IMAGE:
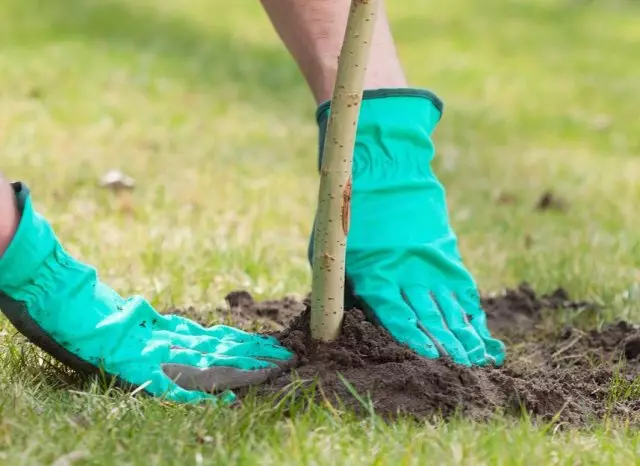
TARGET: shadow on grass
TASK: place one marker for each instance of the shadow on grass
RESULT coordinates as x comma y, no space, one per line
203,58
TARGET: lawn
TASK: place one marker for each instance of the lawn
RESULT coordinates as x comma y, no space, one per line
207,112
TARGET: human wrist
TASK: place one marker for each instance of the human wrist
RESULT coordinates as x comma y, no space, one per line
376,77
33,242
9,215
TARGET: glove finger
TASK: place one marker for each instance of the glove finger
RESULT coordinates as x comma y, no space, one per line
258,346
183,326
457,321
202,343
179,394
391,312
431,321
220,377
225,333
256,349
189,357
159,385
478,319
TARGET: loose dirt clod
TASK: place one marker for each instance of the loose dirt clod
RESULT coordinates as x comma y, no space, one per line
274,314
242,310
550,201
569,376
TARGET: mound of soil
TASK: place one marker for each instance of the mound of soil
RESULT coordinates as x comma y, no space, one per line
568,375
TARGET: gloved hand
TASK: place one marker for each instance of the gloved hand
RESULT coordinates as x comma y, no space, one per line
61,305
402,262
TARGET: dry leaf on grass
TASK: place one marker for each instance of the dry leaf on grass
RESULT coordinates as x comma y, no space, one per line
117,181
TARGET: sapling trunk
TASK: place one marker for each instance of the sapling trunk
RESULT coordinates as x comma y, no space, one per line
334,201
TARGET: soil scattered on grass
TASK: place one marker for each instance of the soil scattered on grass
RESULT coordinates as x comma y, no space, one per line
567,375
550,201
518,312
242,310
271,313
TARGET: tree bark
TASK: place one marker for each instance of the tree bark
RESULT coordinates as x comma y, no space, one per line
334,201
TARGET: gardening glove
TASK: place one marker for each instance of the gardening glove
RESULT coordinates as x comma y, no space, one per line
402,262
61,305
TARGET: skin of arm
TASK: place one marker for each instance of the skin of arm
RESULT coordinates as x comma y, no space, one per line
313,32
9,215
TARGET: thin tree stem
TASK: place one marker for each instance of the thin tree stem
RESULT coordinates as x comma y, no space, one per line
334,201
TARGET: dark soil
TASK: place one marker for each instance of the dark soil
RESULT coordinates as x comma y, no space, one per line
550,201
243,311
566,375
275,314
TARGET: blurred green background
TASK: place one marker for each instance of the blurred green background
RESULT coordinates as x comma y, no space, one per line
199,102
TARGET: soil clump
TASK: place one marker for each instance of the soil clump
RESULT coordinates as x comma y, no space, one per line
564,374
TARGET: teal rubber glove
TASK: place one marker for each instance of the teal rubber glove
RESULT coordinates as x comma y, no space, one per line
402,262
61,305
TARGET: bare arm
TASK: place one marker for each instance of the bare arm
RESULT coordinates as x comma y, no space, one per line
313,31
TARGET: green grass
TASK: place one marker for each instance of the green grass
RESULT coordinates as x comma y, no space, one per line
211,117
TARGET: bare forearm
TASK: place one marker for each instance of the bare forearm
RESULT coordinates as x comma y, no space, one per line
313,32
9,215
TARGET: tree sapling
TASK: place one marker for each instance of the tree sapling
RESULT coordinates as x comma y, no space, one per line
334,201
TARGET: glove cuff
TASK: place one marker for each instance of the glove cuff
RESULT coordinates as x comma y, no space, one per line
387,110
33,242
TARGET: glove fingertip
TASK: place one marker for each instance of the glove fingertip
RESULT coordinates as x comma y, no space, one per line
462,359
499,358
177,394
426,351
282,364
228,397
181,395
